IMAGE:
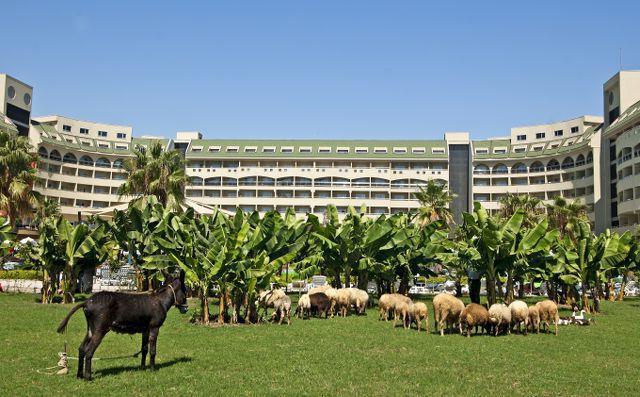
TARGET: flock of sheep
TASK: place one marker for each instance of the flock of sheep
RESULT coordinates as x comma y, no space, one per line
449,312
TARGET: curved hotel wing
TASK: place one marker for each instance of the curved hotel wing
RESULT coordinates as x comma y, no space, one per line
590,158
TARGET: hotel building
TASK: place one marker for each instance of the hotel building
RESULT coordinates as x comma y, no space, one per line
591,158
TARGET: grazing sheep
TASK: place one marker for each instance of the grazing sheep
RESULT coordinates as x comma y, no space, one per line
534,319
361,299
343,301
320,303
267,299
548,313
387,303
447,309
304,304
282,309
321,288
402,310
330,292
474,315
519,314
420,312
500,316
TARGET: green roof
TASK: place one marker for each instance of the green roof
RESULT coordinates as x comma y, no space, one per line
6,125
626,119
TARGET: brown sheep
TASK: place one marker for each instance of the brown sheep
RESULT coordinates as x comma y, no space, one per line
534,319
474,315
420,312
387,303
446,309
402,310
548,314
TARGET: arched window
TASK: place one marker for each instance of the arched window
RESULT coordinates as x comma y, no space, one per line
229,181
481,169
536,167
400,183
70,158
419,182
302,181
42,152
580,160
86,160
213,181
195,181
118,163
55,155
338,181
324,181
589,158
519,168
360,182
500,169
553,165
567,163
379,182
102,162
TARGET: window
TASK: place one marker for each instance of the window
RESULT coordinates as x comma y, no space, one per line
214,149
232,149
287,149
559,132
519,150
324,150
305,149
362,150
120,147
540,135
103,146
121,135
342,150
84,131
66,128
269,149
482,151
574,129
196,149
418,150
250,149
399,150
521,138
85,143
499,151
102,134
380,150
437,151
537,148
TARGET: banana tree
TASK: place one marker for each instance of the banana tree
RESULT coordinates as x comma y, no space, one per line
457,256
77,242
586,263
494,239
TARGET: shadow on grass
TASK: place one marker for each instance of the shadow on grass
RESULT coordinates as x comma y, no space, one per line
118,370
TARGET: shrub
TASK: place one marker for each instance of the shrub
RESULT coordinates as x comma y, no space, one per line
20,275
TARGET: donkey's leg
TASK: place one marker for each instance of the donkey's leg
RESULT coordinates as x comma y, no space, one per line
81,350
145,347
90,348
153,339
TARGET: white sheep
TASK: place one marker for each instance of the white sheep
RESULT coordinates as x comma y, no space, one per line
304,304
500,315
447,309
420,312
387,303
549,314
282,308
519,314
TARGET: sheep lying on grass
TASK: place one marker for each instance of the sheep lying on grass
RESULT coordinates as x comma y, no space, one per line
282,308
519,314
402,309
548,311
304,305
534,318
419,312
447,309
499,316
474,315
387,303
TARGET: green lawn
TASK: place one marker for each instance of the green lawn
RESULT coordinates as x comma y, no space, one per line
356,355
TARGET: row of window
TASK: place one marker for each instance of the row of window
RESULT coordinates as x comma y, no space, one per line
536,166
84,160
321,149
102,134
542,135
302,194
301,181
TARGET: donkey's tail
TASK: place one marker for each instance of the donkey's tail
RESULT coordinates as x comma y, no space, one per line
63,325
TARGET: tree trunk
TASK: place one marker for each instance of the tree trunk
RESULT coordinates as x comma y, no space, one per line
509,294
585,300
611,292
497,288
474,290
623,285
204,306
491,283
221,307
363,280
564,295
404,283
347,277
458,287
521,289
551,291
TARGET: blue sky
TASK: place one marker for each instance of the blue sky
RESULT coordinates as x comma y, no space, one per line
319,69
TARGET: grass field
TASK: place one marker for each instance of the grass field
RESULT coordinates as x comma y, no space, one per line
352,356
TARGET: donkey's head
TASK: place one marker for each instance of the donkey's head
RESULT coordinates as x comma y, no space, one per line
179,291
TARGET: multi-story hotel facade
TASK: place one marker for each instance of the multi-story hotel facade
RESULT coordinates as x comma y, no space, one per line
589,158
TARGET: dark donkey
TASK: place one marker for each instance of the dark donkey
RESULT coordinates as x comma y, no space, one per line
127,313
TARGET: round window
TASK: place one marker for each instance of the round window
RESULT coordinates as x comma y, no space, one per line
11,92
611,98
27,99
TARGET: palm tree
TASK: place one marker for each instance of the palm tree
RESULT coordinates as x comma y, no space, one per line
434,203
530,206
565,216
154,171
17,177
